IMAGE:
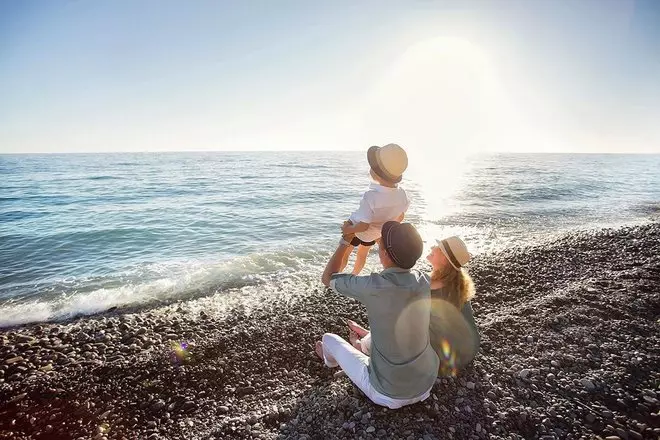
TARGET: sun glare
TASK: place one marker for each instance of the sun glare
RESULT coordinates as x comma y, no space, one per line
442,98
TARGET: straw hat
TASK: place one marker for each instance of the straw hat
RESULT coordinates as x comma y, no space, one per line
455,250
388,162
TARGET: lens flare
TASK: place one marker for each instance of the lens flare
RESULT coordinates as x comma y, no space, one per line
180,352
448,359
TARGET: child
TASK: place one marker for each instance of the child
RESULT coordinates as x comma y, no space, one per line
384,201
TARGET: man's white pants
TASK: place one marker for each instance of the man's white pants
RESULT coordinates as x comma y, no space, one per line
355,365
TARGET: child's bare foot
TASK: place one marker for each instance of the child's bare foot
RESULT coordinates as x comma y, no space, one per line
360,331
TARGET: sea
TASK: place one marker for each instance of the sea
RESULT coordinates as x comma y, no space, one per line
85,233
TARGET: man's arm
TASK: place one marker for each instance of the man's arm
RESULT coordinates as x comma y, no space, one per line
348,228
334,264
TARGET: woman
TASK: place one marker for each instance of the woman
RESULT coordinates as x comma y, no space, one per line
453,332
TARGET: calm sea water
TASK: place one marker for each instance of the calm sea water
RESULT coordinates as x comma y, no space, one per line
80,234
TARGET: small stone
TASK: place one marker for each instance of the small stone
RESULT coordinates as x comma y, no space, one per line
46,368
651,400
18,398
550,377
588,385
370,429
158,405
612,437
525,373
188,405
530,338
24,338
555,363
223,409
13,360
105,414
607,414
635,435
590,418
478,427
622,433
470,385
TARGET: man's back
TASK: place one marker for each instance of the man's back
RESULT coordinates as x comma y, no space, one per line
402,362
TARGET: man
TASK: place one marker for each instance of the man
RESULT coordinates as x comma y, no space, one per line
402,366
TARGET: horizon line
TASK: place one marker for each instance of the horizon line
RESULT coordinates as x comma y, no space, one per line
312,151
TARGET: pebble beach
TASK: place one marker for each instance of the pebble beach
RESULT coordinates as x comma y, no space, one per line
570,350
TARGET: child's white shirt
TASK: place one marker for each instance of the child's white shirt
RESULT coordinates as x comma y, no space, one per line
379,204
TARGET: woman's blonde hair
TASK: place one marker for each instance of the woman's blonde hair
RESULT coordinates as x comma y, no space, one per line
457,285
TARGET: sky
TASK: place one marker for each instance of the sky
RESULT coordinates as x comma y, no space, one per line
437,77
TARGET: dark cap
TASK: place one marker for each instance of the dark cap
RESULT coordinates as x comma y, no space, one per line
402,243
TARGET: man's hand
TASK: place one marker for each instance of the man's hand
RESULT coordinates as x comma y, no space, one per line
347,228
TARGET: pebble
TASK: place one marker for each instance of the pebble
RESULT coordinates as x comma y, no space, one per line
588,384
158,405
370,429
470,385
14,360
18,398
622,433
188,405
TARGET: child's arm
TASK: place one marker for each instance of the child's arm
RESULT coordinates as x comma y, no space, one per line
400,218
348,228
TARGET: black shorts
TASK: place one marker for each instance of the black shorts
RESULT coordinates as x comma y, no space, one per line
357,242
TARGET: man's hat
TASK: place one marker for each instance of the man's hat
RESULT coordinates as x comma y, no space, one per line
402,243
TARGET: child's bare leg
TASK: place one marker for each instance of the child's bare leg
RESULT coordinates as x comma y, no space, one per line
344,261
360,259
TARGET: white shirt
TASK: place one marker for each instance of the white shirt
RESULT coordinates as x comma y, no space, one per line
379,204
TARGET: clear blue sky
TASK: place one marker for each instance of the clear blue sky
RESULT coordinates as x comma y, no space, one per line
138,75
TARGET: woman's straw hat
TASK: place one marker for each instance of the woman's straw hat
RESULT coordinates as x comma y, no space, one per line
388,162
455,250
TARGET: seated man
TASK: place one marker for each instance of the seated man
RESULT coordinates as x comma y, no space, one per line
402,366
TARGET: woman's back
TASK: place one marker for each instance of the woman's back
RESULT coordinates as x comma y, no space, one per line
453,332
